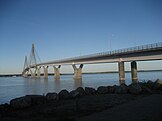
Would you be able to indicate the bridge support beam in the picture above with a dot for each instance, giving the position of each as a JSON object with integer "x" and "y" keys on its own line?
{"x": 134, "y": 72}
{"x": 77, "y": 71}
{"x": 57, "y": 72}
{"x": 121, "y": 72}
{"x": 38, "y": 71}
{"x": 32, "y": 73}
{"x": 45, "y": 72}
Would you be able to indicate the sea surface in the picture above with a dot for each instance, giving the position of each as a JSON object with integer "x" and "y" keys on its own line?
{"x": 12, "y": 87}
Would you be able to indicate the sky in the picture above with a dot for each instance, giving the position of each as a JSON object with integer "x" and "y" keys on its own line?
{"x": 68, "y": 28}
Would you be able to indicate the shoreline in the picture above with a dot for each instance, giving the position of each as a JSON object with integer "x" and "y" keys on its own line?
{"x": 18, "y": 75}
{"x": 80, "y": 103}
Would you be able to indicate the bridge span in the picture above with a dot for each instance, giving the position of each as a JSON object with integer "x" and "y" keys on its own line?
{"x": 133, "y": 54}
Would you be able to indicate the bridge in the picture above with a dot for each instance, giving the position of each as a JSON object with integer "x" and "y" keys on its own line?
{"x": 133, "y": 54}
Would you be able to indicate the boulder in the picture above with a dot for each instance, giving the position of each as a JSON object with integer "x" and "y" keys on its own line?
{"x": 112, "y": 88}
{"x": 102, "y": 90}
{"x": 122, "y": 89}
{"x": 63, "y": 94}
{"x": 52, "y": 96}
{"x": 158, "y": 85}
{"x": 21, "y": 102}
{"x": 150, "y": 84}
{"x": 146, "y": 90}
{"x": 74, "y": 94}
{"x": 135, "y": 88}
{"x": 37, "y": 99}
{"x": 28, "y": 100}
{"x": 90, "y": 91}
{"x": 81, "y": 91}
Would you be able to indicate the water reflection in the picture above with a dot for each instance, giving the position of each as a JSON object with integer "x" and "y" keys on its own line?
{"x": 45, "y": 85}
{"x": 35, "y": 85}
{"x": 57, "y": 85}
{"x": 77, "y": 83}
{"x": 30, "y": 83}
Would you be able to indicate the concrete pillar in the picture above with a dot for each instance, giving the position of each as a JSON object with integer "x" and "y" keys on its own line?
{"x": 38, "y": 71}
{"x": 25, "y": 74}
{"x": 121, "y": 72}
{"x": 77, "y": 71}
{"x": 57, "y": 72}
{"x": 32, "y": 73}
{"x": 134, "y": 72}
{"x": 45, "y": 71}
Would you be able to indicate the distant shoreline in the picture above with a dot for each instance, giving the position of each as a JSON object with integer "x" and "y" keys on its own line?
{"x": 18, "y": 75}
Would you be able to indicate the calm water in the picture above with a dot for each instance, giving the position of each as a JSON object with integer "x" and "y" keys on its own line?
{"x": 11, "y": 87}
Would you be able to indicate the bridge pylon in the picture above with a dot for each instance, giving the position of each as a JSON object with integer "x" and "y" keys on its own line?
{"x": 33, "y": 63}
{"x": 30, "y": 65}
{"x": 32, "y": 58}
{"x": 25, "y": 69}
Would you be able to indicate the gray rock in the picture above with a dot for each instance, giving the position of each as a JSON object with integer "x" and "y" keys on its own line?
{"x": 90, "y": 91}
{"x": 102, "y": 90}
{"x": 37, "y": 99}
{"x": 146, "y": 90}
{"x": 150, "y": 84}
{"x": 74, "y": 94}
{"x": 158, "y": 85}
{"x": 52, "y": 96}
{"x": 142, "y": 84}
{"x": 122, "y": 89}
{"x": 28, "y": 100}
{"x": 112, "y": 88}
{"x": 81, "y": 91}
{"x": 158, "y": 81}
{"x": 135, "y": 88}
{"x": 63, "y": 94}
{"x": 21, "y": 102}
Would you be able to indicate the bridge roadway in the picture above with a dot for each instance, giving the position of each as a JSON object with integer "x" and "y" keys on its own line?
{"x": 138, "y": 53}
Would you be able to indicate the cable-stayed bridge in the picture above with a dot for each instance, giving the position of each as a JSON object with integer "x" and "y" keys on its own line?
{"x": 132, "y": 54}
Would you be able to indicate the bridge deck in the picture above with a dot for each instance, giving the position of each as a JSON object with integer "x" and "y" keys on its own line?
{"x": 139, "y": 53}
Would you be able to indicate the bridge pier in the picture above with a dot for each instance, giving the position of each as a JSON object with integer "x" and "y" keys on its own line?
{"x": 45, "y": 72}
{"x": 38, "y": 71}
{"x": 32, "y": 73}
{"x": 77, "y": 71}
{"x": 121, "y": 72}
{"x": 25, "y": 74}
{"x": 134, "y": 72}
{"x": 57, "y": 72}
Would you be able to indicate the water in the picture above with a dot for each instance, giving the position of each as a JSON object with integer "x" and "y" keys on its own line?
{"x": 11, "y": 87}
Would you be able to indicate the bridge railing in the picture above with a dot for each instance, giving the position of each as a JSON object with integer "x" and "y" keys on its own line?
{"x": 125, "y": 50}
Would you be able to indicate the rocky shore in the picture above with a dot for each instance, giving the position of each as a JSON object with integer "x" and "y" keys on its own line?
{"x": 69, "y": 106}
